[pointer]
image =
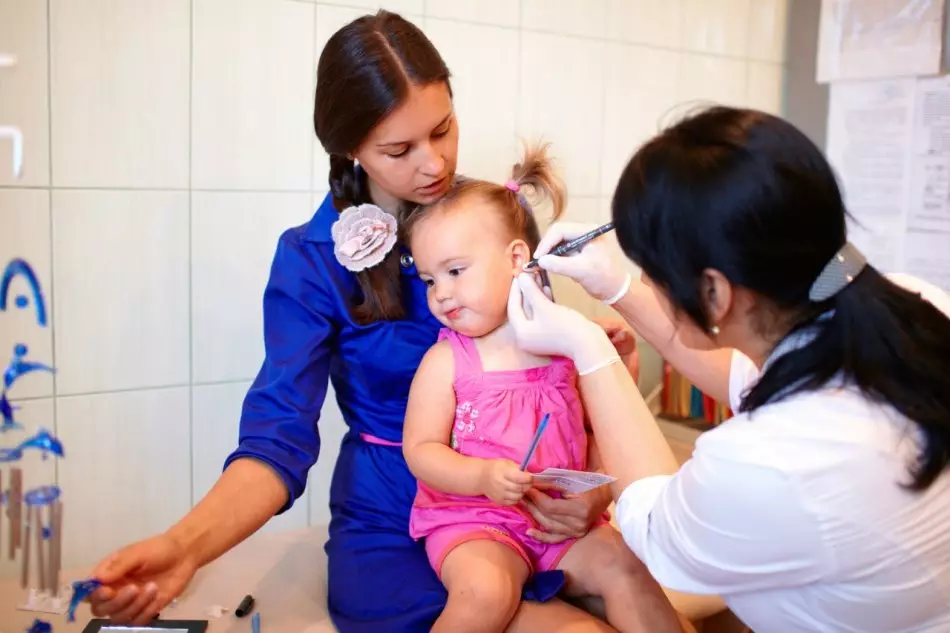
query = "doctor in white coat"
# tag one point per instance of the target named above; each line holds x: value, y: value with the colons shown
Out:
x: 824, y: 503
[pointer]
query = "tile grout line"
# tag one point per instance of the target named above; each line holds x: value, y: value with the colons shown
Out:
x: 157, y: 189
x: 313, y: 166
x: 313, y: 82
x: 519, y: 75
x: 191, y: 258
x: 52, y: 255
x: 604, y: 65
x: 520, y: 27
x: 747, y: 101
x: 140, y: 389
x: 121, y: 390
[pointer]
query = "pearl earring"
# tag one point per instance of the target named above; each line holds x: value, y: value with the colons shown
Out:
x: 714, y: 330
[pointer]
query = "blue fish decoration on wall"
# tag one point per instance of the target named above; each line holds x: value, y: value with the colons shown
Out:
x: 19, y: 268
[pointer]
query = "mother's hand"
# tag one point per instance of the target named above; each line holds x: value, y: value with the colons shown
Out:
x: 571, y: 516
x: 139, y: 580
x: 624, y: 341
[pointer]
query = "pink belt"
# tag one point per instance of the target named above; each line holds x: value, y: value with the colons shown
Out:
x: 372, y: 439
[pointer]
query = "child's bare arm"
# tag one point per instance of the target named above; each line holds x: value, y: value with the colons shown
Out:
x: 594, y: 463
x: 427, y: 432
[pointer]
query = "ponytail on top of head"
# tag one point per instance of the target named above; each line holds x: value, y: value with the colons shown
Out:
x: 533, y: 183
x: 747, y: 194
x: 535, y: 172
x: 366, y: 71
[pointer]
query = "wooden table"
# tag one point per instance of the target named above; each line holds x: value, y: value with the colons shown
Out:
x: 285, y: 572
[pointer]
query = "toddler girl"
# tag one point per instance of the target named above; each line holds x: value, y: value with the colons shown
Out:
x: 474, y: 406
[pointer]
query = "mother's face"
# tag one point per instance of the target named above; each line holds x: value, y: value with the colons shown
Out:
x: 412, y: 153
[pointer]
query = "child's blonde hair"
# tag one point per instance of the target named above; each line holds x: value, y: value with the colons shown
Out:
x: 535, y: 172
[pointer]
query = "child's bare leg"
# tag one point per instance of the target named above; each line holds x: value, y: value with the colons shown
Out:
x: 484, y: 579
x: 601, y: 564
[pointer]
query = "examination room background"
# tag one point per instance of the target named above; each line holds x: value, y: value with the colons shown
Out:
x: 167, y: 145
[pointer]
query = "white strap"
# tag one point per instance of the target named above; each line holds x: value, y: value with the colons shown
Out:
x: 624, y: 288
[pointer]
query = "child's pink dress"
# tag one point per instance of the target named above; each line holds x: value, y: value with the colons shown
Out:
x: 496, y: 416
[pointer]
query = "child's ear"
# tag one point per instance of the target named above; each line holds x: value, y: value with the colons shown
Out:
x: 520, y: 255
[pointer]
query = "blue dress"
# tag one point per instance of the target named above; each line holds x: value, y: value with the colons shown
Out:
x: 379, y: 578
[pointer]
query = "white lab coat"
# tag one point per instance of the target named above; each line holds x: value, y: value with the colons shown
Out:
x: 794, y: 515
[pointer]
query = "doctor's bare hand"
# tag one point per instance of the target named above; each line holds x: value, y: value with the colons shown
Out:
x: 592, y: 267
x: 504, y: 482
x: 138, y: 581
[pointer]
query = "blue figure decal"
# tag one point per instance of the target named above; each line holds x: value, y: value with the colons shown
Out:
x: 8, y: 455
x: 19, y: 268
x: 40, y: 626
x: 19, y: 367
x: 44, y: 442
x: 42, y: 496
x: 81, y: 589
x: 7, y: 423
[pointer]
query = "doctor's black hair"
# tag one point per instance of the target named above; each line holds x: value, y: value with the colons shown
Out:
x: 364, y: 73
x: 747, y: 194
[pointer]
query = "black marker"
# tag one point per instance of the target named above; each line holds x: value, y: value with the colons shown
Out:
x: 574, y: 245
x: 245, y: 607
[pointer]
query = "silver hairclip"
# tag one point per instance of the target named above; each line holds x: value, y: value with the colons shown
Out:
x: 838, y: 273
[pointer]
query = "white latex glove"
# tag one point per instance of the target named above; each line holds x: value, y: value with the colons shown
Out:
x: 592, y: 267
x: 546, y: 328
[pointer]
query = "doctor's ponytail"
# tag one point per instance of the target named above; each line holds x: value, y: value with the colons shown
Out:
x: 366, y: 71
x: 891, y: 343
x: 746, y: 194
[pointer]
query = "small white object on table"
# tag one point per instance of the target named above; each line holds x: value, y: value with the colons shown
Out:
x: 285, y: 572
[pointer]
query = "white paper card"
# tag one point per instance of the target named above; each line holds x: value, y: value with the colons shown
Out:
x: 572, y: 481
x: 879, y: 39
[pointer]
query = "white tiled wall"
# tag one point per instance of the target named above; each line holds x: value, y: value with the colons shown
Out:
x: 169, y: 143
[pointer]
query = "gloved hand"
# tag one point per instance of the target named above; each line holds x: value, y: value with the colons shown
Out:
x: 546, y: 328
x: 592, y: 267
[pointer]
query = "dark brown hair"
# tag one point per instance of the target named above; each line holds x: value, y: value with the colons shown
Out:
x: 365, y: 72
x: 534, y: 174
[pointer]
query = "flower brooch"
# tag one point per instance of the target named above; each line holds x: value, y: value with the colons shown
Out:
x: 363, y: 236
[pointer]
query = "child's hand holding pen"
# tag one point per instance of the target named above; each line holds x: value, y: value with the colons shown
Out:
x: 504, y: 482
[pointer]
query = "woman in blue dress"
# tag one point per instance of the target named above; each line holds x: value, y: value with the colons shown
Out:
x: 383, y: 100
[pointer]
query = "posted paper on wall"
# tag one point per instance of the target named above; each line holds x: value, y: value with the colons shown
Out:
x: 889, y: 141
x: 870, y: 127
x: 879, y: 39
x: 929, y: 208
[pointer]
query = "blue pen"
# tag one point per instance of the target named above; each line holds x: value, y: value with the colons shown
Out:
x: 256, y: 622
x: 535, y: 440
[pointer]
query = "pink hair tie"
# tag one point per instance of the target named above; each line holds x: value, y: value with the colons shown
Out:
x: 511, y: 185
